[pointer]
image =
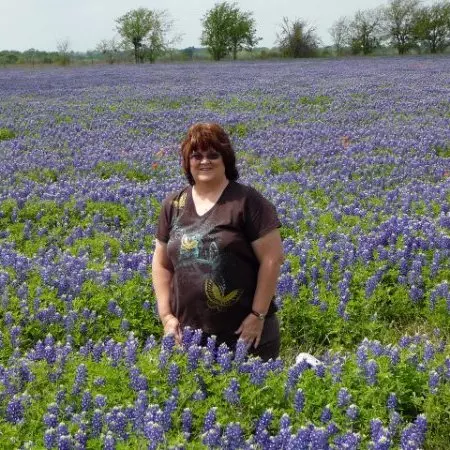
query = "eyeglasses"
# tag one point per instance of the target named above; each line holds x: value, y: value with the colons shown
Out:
x: 211, y: 156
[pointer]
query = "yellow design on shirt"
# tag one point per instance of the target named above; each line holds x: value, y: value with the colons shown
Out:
x: 180, y: 202
x: 216, y: 295
x: 188, y: 242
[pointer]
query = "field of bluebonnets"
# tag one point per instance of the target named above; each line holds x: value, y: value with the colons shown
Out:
x: 355, y: 154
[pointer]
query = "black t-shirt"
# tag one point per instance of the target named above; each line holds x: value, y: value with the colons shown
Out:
x: 215, y: 268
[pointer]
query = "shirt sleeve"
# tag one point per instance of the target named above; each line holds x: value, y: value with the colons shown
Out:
x: 165, y: 219
x: 260, y: 216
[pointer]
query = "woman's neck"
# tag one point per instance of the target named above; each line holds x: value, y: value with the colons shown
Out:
x: 211, y: 188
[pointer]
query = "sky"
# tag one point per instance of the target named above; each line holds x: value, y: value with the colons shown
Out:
x: 41, y: 24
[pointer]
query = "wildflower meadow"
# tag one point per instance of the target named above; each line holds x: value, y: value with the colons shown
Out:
x: 354, y: 153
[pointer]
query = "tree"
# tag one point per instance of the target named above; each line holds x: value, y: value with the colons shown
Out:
x: 366, y: 31
x: 63, y: 48
x: 297, y: 39
x: 399, y: 16
x: 109, y: 48
x: 227, y: 29
x: 432, y: 26
x: 145, y: 30
x: 340, y: 34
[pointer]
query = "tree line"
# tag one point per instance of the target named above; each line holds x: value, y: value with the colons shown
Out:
x: 405, y: 25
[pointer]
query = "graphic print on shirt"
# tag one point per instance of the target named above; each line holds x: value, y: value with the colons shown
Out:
x: 198, y: 248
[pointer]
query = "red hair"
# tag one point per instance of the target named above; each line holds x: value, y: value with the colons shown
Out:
x: 203, y: 136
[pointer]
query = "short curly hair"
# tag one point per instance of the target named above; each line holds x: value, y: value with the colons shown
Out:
x: 203, y: 136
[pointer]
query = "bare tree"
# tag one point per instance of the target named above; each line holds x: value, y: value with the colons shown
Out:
x: 63, y: 49
x: 297, y: 39
x: 109, y: 48
x: 399, y: 19
x: 340, y: 34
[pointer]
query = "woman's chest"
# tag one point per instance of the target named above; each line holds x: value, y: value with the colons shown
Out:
x: 206, y: 238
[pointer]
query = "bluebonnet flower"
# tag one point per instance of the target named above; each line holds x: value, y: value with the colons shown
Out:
x: 319, y: 438
x: 186, y: 422
x: 224, y: 357
x: 194, y: 353
x: 210, y: 419
x: 352, y: 412
x: 173, y: 374
x: 131, y: 348
x: 109, y: 443
x: 392, y: 401
x: 285, y: 421
x: 169, y: 408
x: 65, y: 442
x: 428, y: 352
x: 97, y: 422
x: 299, y: 400
x: 211, y: 438
x: 332, y: 429
x: 138, y: 382
x: 14, y: 410
x: 168, y: 343
x: 86, y: 400
x: 294, y: 373
x: 207, y: 357
x: 413, y: 436
x: 433, y: 381
x: 344, y: 397
x: 15, y: 336
x: 188, y: 333
x: 163, y: 358
x: 50, y: 420
x: 197, y: 337
x: 233, y: 437
x: 211, y: 344
x: 99, y: 381
x: 326, y: 415
x: 371, y: 371
x: 231, y: 393
x: 150, y: 343
x: 154, y: 433
x: 50, y: 438
x: 259, y: 371
x: 348, y: 441
x: 395, y: 420
x: 240, y: 353
x: 80, y: 379
x: 320, y: 370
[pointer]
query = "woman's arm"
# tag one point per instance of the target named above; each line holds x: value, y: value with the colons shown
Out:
x: 269, y: 252
x: 162, y: 273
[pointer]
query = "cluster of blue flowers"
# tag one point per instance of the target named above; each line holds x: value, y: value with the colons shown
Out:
x: 355, y: 156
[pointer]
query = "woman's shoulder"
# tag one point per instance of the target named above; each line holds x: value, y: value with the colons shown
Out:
x: 247, y: 191
x: 176, y: 197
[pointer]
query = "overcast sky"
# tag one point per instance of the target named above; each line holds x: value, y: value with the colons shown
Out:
x: 40, y: 24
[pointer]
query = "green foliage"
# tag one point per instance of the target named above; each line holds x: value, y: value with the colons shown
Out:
x: 6, y: 133
x: 432, y: 26
x: 443, y: 152
x: 145, y: 30
x: 226, y: 29
x: 40, y: 175
x: 399, y: 18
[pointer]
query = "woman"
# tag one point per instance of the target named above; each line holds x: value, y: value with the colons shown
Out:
x: 218, y: 250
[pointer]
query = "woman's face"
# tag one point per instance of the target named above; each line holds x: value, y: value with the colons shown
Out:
x: 207, y: 166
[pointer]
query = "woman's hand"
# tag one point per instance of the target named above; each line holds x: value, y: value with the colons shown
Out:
x: 250, y: 330
x: 172, y: 326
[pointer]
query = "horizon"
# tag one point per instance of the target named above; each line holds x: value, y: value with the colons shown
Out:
x: 43, y: 25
